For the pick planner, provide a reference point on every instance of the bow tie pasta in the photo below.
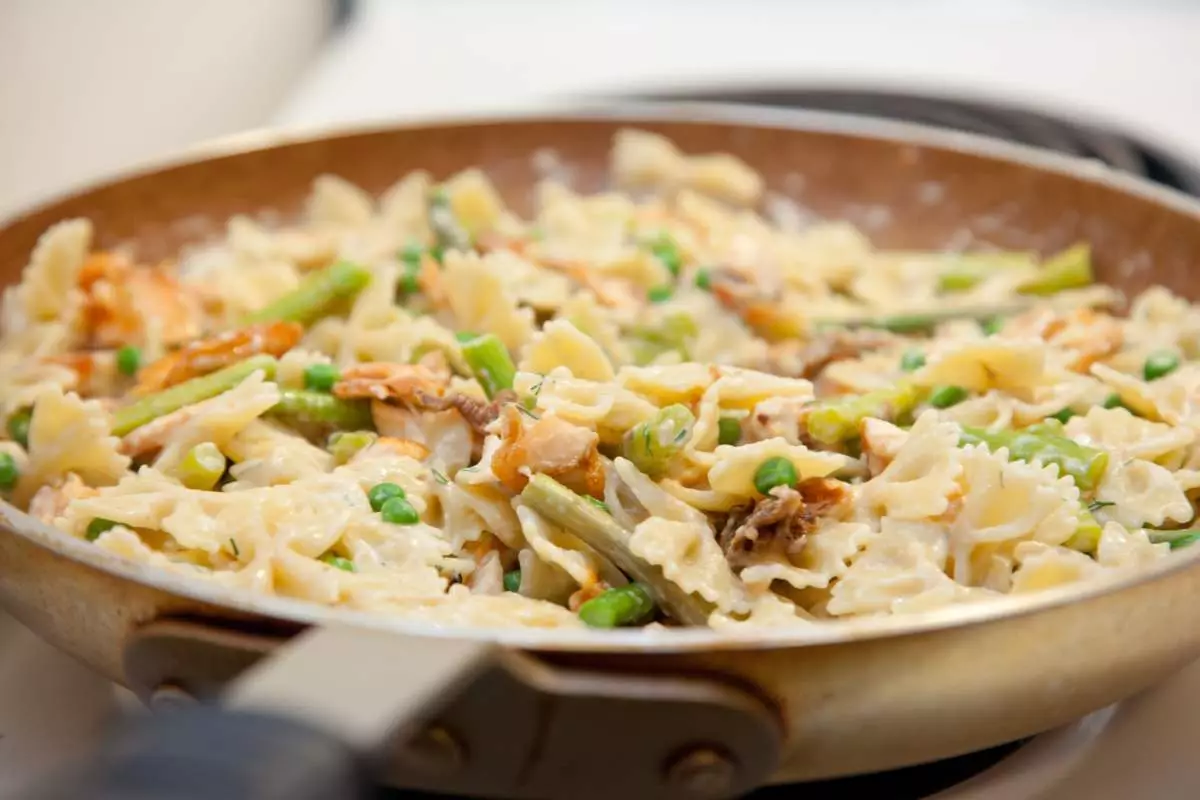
(666, 404)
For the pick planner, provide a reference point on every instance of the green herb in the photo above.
(233, 545)
(600, 504)
(704, 279)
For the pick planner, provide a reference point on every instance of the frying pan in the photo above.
(699, 713)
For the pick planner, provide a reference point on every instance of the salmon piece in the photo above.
(126, 302)
(51, 501)
(209, 355)
(403, 447)
(550, 446)
(383, 381)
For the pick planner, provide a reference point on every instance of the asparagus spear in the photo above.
(202, 467)
(448, 231)
(489, 360)
(1087, 532)
(160, 404)
(1070, 269)
(964, 271)
(1177, 539)
(306, 406)
(836, 421)
(651, 445)
(1044, 443)
(316, 294)
(561, 506)
(620, 606)
(920, 321)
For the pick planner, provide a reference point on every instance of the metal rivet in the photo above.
(702, 772)
(169, 697)
(434, 751)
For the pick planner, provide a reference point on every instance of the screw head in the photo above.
(169, 697)
(434, 750)
(702, 772)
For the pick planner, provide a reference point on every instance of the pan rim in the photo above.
(624, 641)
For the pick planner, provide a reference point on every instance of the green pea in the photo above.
(1064, 415)
(992, 325)
(777, 471)
(912, 360)
(321, 377)
(729, 430)
(380, 493)
(512, 581)
(1114, 401)
(97, 527)
(399, 511)
(344, 564)
(666, 251)
(704, 279)
(411, 254)
(409, 283)
(9, 473)
(129, 360)
(18, 427)
(947, 396)
(1159, 365)
(659, 294)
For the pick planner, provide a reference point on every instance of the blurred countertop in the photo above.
(93, 87)
(1122, 63)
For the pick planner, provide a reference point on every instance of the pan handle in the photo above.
(469, 717)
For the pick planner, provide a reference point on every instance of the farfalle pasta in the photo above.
(673, 402)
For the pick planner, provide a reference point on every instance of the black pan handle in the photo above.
(203, 753)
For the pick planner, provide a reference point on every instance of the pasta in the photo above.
(653, 404)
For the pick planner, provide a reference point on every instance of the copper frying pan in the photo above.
(703, 713)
